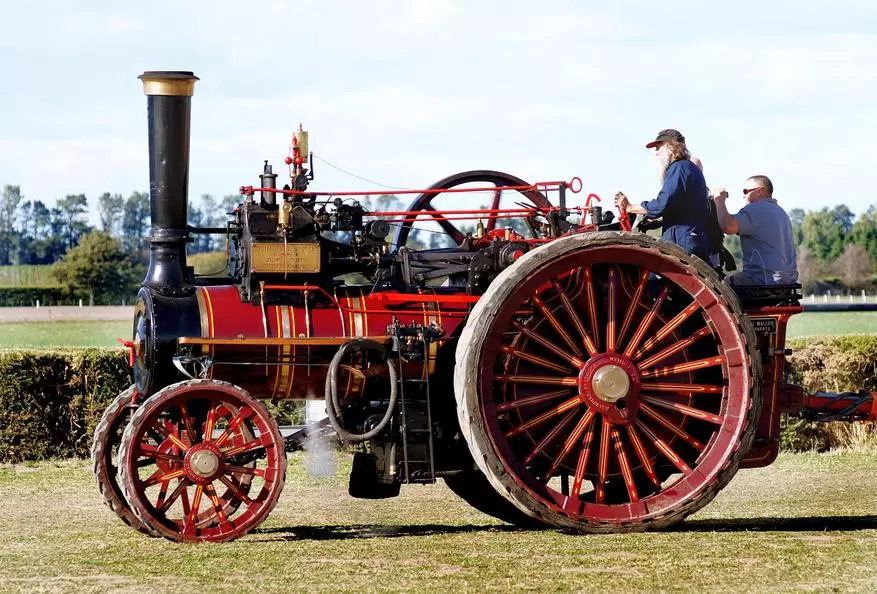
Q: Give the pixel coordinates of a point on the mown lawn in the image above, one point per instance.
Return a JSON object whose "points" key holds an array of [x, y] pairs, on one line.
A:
{"points": [[832, 323], [807, 523]]}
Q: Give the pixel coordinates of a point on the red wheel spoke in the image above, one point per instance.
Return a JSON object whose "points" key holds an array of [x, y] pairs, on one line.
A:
{"points": [[576, 362], [251, 445], [668, 424], [592, 302], [240, 495], [153, 452], [187, 422], [217, 503], [160, 476], [570, 443], [642, 455], [603, 462], [535, 359], [685, 410], [552, 412], [530, 400], [634, 302], [244, 470], [497, 197], [232, 426], [175, 494], [664, 448], [162, 493], [667, 329], [549, 437], [209, 425], [590, 345], [582, 464], [674, 348], [683, 367], [169, 436], [610, 324], [683, 388], [446, 225], [192, 516], [646, 322], [555, 323], [625, 467], [539, 379]]}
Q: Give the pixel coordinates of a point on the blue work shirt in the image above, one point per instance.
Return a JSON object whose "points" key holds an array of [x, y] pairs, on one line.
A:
{"points": [[682, 204], [766, 240]]}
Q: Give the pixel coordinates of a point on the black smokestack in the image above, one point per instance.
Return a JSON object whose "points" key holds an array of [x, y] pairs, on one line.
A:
{"points": [[169, 99]]}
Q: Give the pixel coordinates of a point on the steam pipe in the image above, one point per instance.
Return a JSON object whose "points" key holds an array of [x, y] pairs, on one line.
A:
{"points": [[168, 107]]}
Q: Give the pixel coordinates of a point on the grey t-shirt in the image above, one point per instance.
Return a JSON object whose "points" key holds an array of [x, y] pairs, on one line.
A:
{"points": [[766, 239]]}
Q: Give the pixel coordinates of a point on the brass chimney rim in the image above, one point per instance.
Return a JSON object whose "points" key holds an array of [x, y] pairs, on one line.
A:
{"points": [[168, 83]]}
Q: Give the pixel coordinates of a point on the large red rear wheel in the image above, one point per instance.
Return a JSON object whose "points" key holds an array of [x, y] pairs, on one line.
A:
{"points": [[608, 383], [202, 460]]}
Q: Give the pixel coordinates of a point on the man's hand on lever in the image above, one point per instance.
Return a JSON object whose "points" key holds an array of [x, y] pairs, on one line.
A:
{"points": [[624, 205]]}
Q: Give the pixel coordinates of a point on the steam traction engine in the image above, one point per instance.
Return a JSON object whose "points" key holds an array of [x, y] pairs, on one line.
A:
{"points": [[551, 369]]}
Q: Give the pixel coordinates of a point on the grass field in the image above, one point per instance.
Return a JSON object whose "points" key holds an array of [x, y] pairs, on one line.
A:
{"points": [[808, 523], [44, 334]]}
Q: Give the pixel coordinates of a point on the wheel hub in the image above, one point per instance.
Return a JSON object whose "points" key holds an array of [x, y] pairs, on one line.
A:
{"points": [[203, 463], [610, 383]]}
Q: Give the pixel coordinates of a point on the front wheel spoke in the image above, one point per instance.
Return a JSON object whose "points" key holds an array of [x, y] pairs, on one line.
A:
{"points": [[664, 448], [151, 452], [536, 360], [187, 423], [238, 494], [674, 348], [217, 503], [668, 424], [531, 400], [233, 426], [552, 412], [576, 362], [642, 455], [683, 367], [685, 410], [681, 388], [603, 462], [250, 446], [162, 493], [610, 324], [234, 469], [582, 464], [209, 425], [634, 303], [549, 437], [590, 345], [626, 473], [555, 323], [192, 516], [591, 296], [175, 494], [667, 329], [570, 443], [646, 323], [546, 380], [168, 436]]}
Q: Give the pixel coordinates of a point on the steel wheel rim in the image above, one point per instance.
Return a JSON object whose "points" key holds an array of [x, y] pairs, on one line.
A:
{"points": [[609, 443], [171, 487]]}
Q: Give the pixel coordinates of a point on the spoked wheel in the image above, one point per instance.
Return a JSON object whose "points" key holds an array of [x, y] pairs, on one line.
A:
{"points": [[608, 383], [104, 457], [202, 460], [434, 201]]}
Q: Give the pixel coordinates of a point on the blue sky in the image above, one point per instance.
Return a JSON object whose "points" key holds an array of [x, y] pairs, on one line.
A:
{"points": [[407, 92]]}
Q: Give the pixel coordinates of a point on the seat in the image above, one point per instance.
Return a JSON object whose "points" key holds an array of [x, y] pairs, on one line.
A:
{"points": [[755, 296]]}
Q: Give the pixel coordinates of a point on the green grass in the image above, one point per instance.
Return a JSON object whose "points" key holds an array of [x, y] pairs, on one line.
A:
{"points": [[832, 323], [48, 334], [806, 523]]}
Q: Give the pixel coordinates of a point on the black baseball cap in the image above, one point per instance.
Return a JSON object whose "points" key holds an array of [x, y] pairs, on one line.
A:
{"points": [[666, 135]]}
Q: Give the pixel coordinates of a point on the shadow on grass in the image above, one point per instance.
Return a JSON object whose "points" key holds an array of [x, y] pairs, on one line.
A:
{"points": [[347, 531], [812, 524]]}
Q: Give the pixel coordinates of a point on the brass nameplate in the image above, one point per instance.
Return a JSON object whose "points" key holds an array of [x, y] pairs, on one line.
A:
{"points": [[299, 257]]}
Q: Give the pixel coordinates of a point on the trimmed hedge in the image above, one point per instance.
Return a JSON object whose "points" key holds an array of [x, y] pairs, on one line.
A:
{"points": [[51, 401], [26, 296]]}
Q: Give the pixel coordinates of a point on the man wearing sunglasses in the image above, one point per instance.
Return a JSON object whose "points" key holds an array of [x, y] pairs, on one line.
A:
{"points": [[765, 235], [682, 201]]}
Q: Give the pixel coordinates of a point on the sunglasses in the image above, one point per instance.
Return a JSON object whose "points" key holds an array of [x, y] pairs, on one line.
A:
{"points": [[748, 190]]}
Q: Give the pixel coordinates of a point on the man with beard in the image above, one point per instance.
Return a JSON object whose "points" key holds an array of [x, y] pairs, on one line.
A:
{"points": [[682, 201]]}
